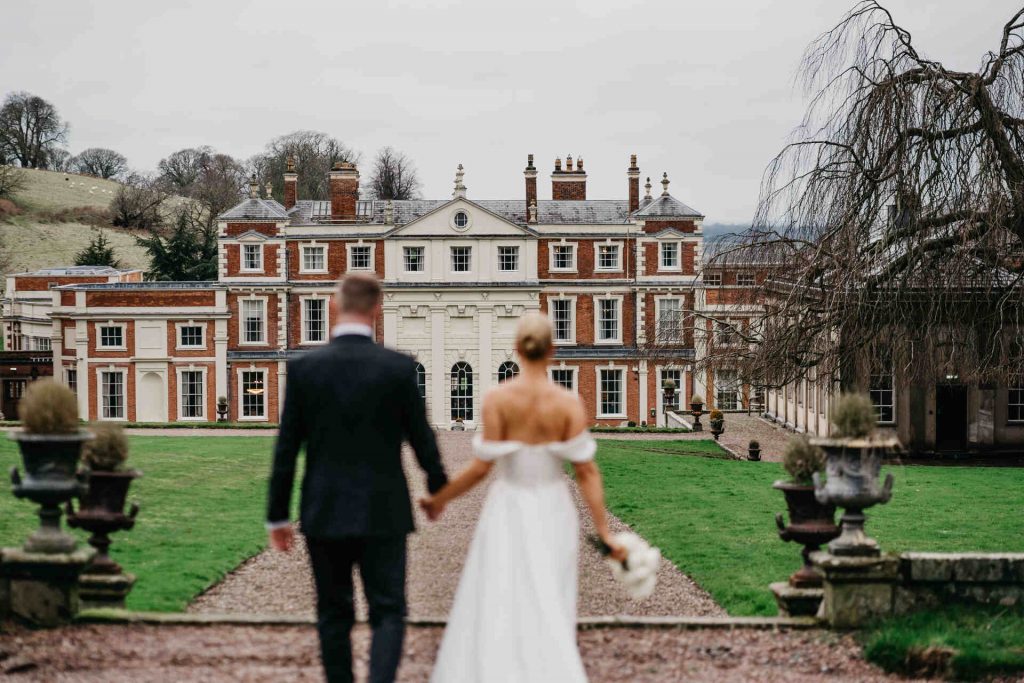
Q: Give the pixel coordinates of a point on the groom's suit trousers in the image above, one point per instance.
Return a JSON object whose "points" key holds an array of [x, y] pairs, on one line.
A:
{"points": [[381, 562]]}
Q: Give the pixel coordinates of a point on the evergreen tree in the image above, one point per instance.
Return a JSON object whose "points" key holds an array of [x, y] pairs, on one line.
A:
{"points": [[100, 252], [188, 253]]}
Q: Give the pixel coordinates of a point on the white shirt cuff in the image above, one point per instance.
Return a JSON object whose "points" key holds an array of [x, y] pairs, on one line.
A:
{"points": [[278, 525]]}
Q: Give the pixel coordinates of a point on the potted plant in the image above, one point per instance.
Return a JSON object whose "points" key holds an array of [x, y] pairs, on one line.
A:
{"points": [[853, 466], [50, 443], [811, 522], [697, 409], [222, 409], [754, 450], [459, 425], [717, 420]]}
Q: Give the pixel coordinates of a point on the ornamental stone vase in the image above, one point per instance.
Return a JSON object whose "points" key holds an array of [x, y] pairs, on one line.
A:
{"points": [[697, 409], [852, 469], [810, 524], [717, 427], [51, 478]]}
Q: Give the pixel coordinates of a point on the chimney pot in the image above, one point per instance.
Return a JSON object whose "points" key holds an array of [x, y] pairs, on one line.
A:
{"points": [[633, 179], [579, 163], [558, 164], [254, 187]]}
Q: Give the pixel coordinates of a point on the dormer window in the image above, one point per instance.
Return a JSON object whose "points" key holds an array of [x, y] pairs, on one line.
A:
{"points": [[252, 257]]}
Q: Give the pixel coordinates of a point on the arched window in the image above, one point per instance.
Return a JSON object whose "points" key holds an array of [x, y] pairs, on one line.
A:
{"points": [[507, 370], [462, 391], [421, 380]]}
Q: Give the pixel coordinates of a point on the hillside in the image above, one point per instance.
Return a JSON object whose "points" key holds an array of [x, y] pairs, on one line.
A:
{"points": [[40, 237]]}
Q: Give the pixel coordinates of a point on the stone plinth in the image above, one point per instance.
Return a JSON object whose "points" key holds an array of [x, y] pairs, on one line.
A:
{"points": [[96, 591], [42, 588], [857, 589], [797, 602]]}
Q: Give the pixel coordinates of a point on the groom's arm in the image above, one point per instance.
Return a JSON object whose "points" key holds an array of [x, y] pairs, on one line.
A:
{"points": [[421, 436], [291, 435]]}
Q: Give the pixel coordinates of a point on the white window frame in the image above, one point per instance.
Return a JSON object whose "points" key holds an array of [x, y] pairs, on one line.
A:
{"points": [[100, 346], [598, 298], [680, 395], [737, 390], [597, 257], [574, 246], [241, 321], [1016, 386], [303, 320], [658, 307], [621, 369], [360, 245], [241, 396], [712, 279], [67, 378], [733, 336], [518, 257], [877, 406], [206, 388], [423, 258], [572, 319], [242, 260], [309, 247], [573, 372], [469, 258], [679, 256], [752, 282], [177, 336], [124, 393]]}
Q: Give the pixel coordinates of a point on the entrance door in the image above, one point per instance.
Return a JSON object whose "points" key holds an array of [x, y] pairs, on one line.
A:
{"points": [[950, 417], [151, 398], [13, 391]]}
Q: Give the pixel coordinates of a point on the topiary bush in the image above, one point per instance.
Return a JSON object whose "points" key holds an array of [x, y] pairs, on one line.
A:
{"points": [[697, 398], [716, 414], [853, 416], [802, 459], [49, 408], [108, 450]]}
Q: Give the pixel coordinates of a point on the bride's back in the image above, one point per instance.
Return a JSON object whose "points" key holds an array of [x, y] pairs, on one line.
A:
{"points": [[532, 410]]}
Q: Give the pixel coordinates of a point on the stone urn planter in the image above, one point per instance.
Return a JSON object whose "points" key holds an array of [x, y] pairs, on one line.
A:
{"points": [[51, 479], [222, 409], [754, 451], [697, 409], [717, 423], [811, 524]]}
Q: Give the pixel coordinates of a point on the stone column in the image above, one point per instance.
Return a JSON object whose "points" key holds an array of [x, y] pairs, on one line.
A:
{"points": [[644, 407], [391, 327], [485, 319], [41, 588], [857, 589], [438, 371]]}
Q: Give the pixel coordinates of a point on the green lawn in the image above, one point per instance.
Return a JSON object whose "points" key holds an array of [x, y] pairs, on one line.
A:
{"points": [[714, 517], [202, 513]]}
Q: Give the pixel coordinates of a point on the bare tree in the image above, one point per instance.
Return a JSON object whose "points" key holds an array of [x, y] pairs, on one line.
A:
{"points": [[138, 203], [12, 181], [61, 160], [182, 169], [30, 127], [891, 230], [101, 162], [314, 154], [393, 176]]}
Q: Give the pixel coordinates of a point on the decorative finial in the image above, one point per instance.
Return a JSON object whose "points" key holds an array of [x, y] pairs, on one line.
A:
{"points": [[647, 186], [568, 163], [254, 187], [558, 164], [270, 190], [460, 188], [529, 161], [290, 164], [389, 212], [579, 163], [532, 218], [664, 184]]}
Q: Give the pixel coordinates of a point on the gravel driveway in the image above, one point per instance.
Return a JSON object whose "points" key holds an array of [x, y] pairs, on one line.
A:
{"points": [[277, 583], [151, 654]]}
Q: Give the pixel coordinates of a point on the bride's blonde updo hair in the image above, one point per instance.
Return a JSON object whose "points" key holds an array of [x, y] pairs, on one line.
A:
{"points": [[533, 336]]}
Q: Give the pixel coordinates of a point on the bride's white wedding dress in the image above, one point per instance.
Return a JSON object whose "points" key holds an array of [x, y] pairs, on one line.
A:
{"points": [[514, 616]]}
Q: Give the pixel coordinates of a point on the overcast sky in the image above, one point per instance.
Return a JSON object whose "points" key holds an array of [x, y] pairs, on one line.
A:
{"points": [[704, 91]]}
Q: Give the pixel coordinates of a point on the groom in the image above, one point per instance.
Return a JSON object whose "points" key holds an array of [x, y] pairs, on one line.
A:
{"points": [[351, 403]]}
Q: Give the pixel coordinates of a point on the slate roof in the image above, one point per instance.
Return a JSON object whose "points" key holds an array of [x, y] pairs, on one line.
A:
{"points": [[255, 209], [667, 206], [587, 212], [76, 270]]}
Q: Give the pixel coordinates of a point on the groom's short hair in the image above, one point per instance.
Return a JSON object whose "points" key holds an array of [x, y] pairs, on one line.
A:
{"points": [[360, 293]]}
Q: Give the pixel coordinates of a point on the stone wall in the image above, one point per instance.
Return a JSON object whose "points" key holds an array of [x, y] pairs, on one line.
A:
{"points": [[932, 579]]}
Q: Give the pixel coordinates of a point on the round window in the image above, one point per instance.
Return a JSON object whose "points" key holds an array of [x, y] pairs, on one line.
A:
{"points": [[461, 220]]}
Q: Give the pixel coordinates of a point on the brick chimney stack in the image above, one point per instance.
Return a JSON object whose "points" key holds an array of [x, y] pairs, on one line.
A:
{"points": [[530, 173], [344, 182], [570, 184], [291, 184], [633, 173]]}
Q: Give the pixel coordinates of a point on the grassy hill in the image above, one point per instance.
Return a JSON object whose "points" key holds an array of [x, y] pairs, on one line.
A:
{"points": [[46, 234]]}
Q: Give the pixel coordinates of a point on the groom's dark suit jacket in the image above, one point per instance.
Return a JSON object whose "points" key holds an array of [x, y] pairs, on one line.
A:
{"points": [[351, 403]]}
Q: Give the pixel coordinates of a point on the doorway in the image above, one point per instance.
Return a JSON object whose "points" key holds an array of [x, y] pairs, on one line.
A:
{"points": [[13, 390], [950, 417]]}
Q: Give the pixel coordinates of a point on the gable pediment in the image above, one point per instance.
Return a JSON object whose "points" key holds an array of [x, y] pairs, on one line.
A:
{"points": [[460, 217], [251, 236]]}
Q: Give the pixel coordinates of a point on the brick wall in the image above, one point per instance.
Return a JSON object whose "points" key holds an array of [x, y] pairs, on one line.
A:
{"points": [[94, 388], [270, 390], [651, 315], [140, 299], [129, 340], [657, 225], [236, 320], [172, 389], [234, 257], [235, 229], [586, 384], [172, 339], [585, 315], [67, 298], [33, 283], [336, 259], [586, 256], [344, 193], [575, 190]]}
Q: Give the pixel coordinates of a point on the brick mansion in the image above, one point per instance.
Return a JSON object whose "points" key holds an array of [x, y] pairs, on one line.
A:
{"points": [[616, 276]]}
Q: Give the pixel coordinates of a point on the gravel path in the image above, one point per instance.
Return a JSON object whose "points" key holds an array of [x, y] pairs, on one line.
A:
{"points": [[151, 654], [277, 583]]}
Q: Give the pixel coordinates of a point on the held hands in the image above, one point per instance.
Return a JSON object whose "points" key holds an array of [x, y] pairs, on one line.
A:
{"points": [[615, 551], [432, 507], [282, 538]]}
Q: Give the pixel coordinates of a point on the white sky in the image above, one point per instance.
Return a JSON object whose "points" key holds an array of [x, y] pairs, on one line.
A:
{"points": [[704, 90]]}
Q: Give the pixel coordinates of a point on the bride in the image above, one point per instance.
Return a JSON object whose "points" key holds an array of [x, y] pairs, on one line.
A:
{"points": [[514, 616]]}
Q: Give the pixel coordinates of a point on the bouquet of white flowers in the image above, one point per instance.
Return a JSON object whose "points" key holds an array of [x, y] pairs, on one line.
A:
{"points": [[639, 572]]}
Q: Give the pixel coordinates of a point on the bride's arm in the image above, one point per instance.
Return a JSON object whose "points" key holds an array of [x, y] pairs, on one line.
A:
{"points": [[471, 475]]}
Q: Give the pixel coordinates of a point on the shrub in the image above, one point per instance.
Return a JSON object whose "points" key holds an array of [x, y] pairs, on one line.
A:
{"points": [[717, 414], [755, 444], [668, 384], [108, 451], [631, 423], [49, 408], [697, 398], [8, 208], [801, 460], [853, 416]]}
